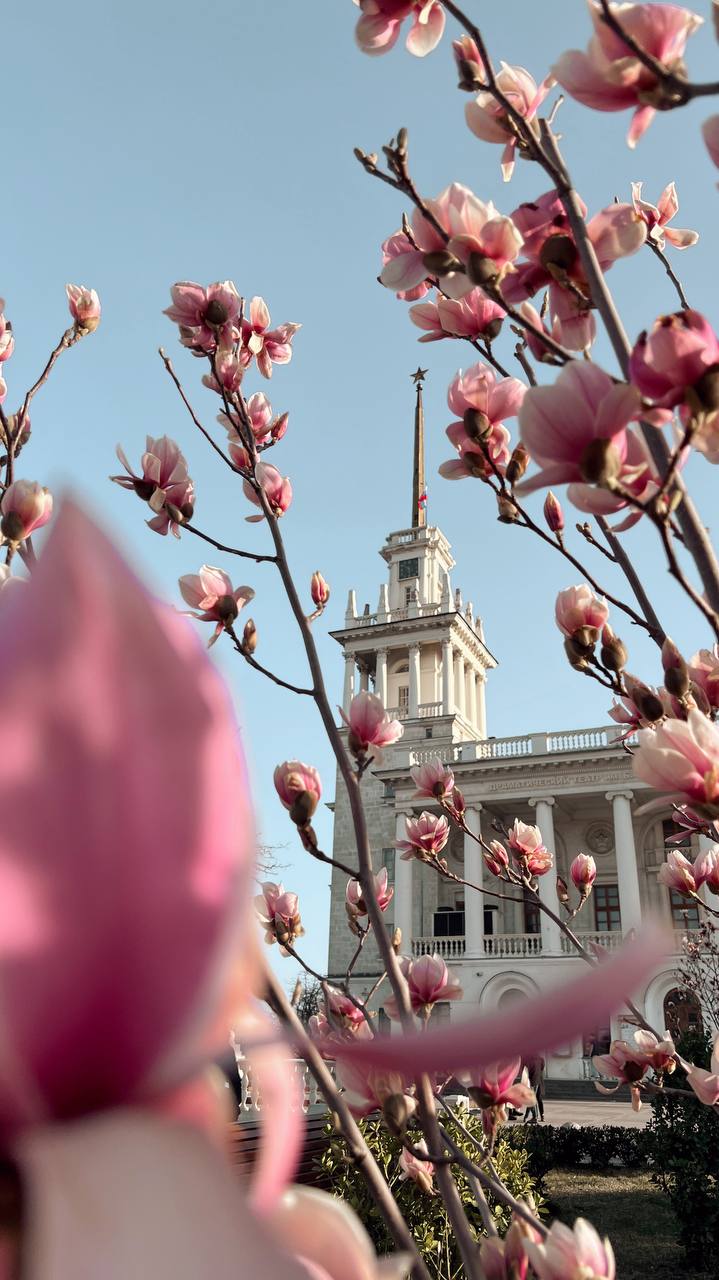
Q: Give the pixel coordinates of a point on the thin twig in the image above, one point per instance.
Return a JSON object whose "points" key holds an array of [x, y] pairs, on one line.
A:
{"points": [[230, 551], [168, 366], [623, 561], [658, 253]]}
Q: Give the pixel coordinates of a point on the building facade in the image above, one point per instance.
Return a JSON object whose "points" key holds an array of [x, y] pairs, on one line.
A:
{"points": [[424, 653]]}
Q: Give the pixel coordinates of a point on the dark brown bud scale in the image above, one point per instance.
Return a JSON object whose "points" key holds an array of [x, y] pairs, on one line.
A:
{"points": [[558, 254], [441, 262], [215, 313], [517, 464], [703, 395], [600, 463], [481, 269], [476, 424]]}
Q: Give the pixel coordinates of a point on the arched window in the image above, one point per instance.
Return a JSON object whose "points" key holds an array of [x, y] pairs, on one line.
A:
{"points": [[682, 1012]]}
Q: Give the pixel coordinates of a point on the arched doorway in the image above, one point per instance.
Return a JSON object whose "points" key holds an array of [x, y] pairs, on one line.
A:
{"points": [[682, 1012]]}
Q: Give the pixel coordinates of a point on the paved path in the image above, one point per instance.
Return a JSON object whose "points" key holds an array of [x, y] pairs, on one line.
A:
{"points": [[577, 1111]]}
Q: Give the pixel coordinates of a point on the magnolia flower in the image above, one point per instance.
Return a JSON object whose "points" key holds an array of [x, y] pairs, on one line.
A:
{"points": [[572, 1253], [583, 872], [704, 671], [488, 119], [299, 789], [496, 858], [341, 1008], [227, 372], [369, 725], [682, 757], [207, 316], [478, 395], [553, 513], [367, 1088], [432, 779], [705, 1083], [394, 246], [677, 873], [628, 1064], [278, 913], [610, 77], [164, 483], [211, 592], [25, 507], [426, 837], [276, 488], [259, 342], [473, 316], [495, 1086], [428, 980], [673, 356], [84, 307], [7, 341], [420, 1171], [657, 217], [327, 1239], [706, 868], [319, 590], [528, 847], [384, 893], [577, 611], [569, 427], [378, 29]]}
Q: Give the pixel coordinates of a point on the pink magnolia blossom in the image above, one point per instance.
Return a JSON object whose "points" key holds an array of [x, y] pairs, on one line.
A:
{"points": [[383, 892], [319, 590], [207, 316], [527, 845], [577, 609], [341, 1008], [164, 483], [25, 507], [378, 29], [278, 913], [394, 246], [710, 134], [276, 488], [228, 371], [495, 1086], [473, 316], [562, 425], [583, 872], [479, 389], [682, 757], [7, 341], [677, 873], [704, 671], [705, 1083], [609, 76], [668, 359], [471, 226], [706, 868], [370, 725], [572, 1253], [657, 217], [506, 1259], [628, 1064], [299, 788], [496, 858], [432, 779], [366, 1087], [265, 427], [416, 1169], [211, 592], [325, 1237], [259, 342], [553, 513], [428, 980], [84, 307], [488, 119], [426, 837]]}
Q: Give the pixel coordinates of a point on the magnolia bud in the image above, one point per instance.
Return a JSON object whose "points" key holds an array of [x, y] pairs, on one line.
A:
{"points": [[553, 513], [562, 890], [613, 653], [402, 141], [585, 638], [703, 395], [458, 802], [600, 463], [477, 425], [441, 262], [701, 699], [577, 655], [397, 941], [493, 329], [319, 590], [558, 254], [517, 464], [249, 637], [481, 269], [303, 807], [649, 705], [507, 510], [676, 672]]}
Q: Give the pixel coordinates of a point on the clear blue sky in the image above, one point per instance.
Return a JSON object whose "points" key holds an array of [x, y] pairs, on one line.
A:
{"points": [[145, 143]]}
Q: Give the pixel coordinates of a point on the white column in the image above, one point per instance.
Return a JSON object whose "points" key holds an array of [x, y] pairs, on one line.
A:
{"points": [[403, 889], [473, 901], [380, 677], [459, 682], [413, 681], [349, 688], [472, 704], [630, 906], [481, 708], [447, 679], [364, 680], [551, 935]]}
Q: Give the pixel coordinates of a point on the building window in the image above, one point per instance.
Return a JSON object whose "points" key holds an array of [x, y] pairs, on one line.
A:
{"points": [[448, 923], [685, 915], [670, 828], [388, 857], [606, 908], [403, 700], [532, 922], [408, 569], [408, 593]]}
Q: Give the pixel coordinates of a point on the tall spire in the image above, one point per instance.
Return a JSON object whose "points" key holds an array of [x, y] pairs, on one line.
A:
{"points": [[419, 492]]}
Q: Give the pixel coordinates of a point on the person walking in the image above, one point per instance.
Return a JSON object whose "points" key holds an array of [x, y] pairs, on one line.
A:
{"points": [[535, 1071]]}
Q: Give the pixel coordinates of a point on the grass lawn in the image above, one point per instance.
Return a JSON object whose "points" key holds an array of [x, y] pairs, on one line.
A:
{"points": [[634, 1214]]}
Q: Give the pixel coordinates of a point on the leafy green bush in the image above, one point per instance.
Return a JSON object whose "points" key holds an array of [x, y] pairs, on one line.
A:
{"points": [[424, 1213], [683, 1142], [569, 1146]]}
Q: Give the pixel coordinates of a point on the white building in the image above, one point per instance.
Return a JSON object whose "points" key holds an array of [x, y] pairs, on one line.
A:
{"points": [[424, 653]]}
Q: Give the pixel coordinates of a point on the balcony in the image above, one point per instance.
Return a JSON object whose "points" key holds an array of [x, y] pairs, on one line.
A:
{"points": [[500, 946], [603, 738]]}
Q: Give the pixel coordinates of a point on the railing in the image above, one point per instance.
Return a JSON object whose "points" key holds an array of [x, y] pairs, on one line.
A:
{"points": [[513, 944], [448, 948], [528, 744], [610, 940], [427, 709], [251, 1095]]}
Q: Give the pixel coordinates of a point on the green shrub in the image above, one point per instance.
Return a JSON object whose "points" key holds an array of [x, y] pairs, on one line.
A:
{"points": [[571, 1146], [424, 1213], [683, 1142]]}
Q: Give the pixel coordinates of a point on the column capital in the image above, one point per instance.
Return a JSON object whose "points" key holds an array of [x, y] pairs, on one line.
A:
{"points": [[619, 795], [382, 651], [350, 657], [476, 805], [415, 646], [535, 800]]}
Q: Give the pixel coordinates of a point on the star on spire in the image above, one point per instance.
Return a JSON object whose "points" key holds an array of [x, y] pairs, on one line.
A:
{"points": [[419, 377]]}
